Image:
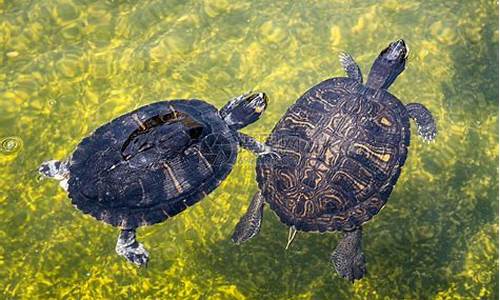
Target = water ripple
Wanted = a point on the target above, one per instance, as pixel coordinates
(10, 145)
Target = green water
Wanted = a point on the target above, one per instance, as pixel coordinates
(66, 67)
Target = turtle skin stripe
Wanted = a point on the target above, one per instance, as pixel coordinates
(342, 146)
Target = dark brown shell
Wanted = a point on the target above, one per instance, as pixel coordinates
(152, 163)
(342, 146)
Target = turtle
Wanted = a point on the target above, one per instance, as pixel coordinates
(341, 147)
(152, 163)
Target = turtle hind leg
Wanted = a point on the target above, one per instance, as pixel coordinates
(128, 247)
(57, 170)
(351, 67)
(348, 258)
(249, 224)
(52, 169)
(426, 126)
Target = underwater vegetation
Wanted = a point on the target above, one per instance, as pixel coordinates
(69, 66)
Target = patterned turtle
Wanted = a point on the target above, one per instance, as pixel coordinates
(341, 147)
(152, 163)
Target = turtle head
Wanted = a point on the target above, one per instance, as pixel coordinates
(244, 110)
(388, 65)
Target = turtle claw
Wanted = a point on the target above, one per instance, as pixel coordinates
(270, 151)
(138, 256)
(350, 67)
(427, 133)
(345, 59)
(128, 247)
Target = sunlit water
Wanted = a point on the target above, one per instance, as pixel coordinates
(66, 67)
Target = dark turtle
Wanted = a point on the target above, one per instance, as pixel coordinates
(341, 148)
(152, 163)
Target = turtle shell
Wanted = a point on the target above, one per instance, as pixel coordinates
(151, 163)
(342, 146)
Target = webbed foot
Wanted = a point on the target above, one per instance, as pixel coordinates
(348, 257)
(351, 67)
(57, 170)
(128, 247)
(249, 224)
(255, 146)
(428, 133)
(426, 126)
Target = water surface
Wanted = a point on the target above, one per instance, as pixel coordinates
(66, 67)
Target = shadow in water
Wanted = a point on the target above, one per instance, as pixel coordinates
(418, 245)
(263, 268)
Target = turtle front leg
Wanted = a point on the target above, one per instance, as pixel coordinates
(351, 67)
(255, 146)
(249, 224)
(128, 247)
(426, 126)
(348, 257)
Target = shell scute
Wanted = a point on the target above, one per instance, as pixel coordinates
(152, 163)
(351, 144)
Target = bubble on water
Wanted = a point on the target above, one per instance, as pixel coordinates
(10, 145)
(52, 102)
(483, 277)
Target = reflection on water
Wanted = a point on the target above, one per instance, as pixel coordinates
(68, 66)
